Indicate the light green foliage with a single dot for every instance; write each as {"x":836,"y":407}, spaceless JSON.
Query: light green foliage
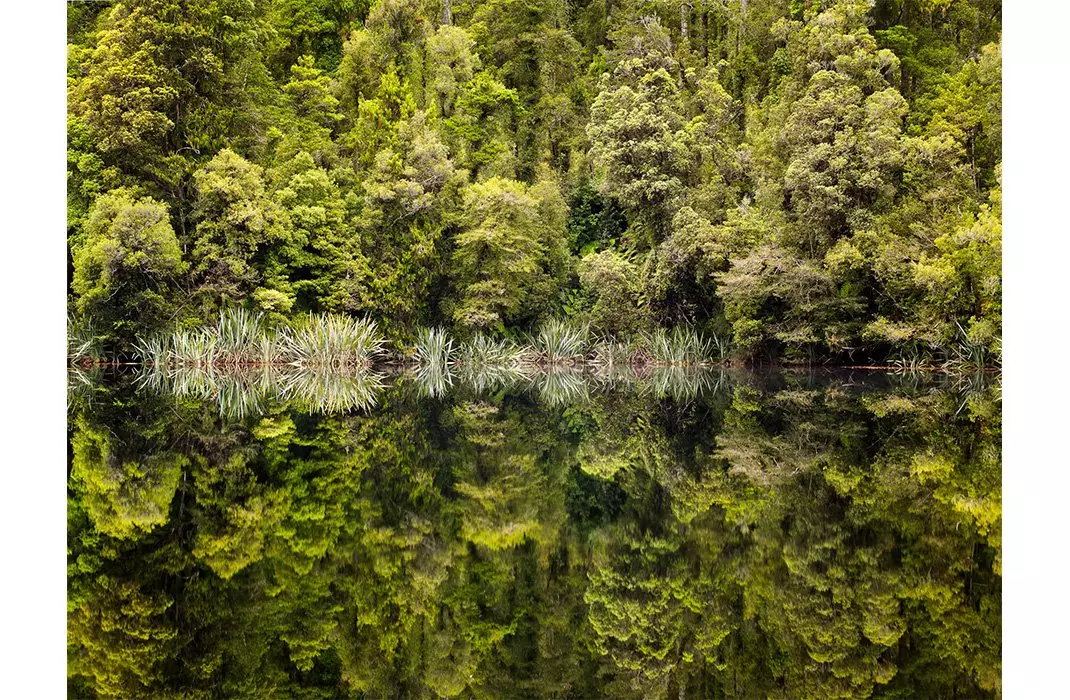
{"x":166,"y":81}
{"x":481,"y":124}
{"x":123,"y":637}
{"x":964,"y":278}
{"x":843,"y":151}
{"x":331,"y":270}
{"x":358,"y":74}
{"x":127,"y":265}
{"x":237,"y":227}
{"x":126,"y":495}
{"x":401,"y":29}
{"x":772,"y":295}
{"x":855,"y":140}
{"x":311,"y":28}
{"x":612,"y":281}
{"x":968,"y":109}
{"x":409,"y":196}
{"x":642,"y":145}
{"x":309,"y":93}
{"x":452,"y":62}
{"x":510,"y":247}
{"x":818,"y":539}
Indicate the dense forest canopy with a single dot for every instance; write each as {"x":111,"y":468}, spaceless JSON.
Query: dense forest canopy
{"x":806,"y":179}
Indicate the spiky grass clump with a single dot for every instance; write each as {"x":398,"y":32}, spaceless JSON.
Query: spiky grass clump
{"x":82,"y":342}
{"x":238,"y":336}
{"x":434,"y":346}
{"x":241,"y":337}
{"x":614,"y":353}
{"x":323,"y":390}
{"x":681,"y":346}
{"x":485,"y":351}
{"x":560,"y":342}
{"x":683,"y":383}
{"x":965,"y":354}
{"x":560,"y":386}
{"x":912,"y":359}
{"x":331,"y":340}
{"x":186,"y":346}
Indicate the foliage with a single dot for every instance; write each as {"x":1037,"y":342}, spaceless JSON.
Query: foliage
{"x":815,"y":536}
{"x":128,"y":265}
{"x":820,"y":182}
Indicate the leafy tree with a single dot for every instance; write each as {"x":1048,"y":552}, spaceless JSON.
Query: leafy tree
{"x":409,"y":200}
{"x":642,"y":141}
{"x":312,"y":28}
{"x":613,"y":282}
{"x":168,"y":81}
{"x":330,"y":271}
{"x":240,"y":232}
{"x":481,"y":123}
{"x":128,"y":264}
{"x":511,"y":237}
{"x":696,"y":139}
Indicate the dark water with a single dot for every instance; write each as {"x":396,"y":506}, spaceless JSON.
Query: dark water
{"x":751,"y":536}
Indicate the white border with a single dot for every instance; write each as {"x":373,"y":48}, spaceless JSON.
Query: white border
{"x":1036,"y":477}
{"x":33,"y":508}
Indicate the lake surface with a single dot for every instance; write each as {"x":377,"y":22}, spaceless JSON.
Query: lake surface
{"x":734,"y":534}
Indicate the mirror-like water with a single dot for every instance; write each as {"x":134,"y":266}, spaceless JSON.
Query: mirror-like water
{"x":784,"y":535}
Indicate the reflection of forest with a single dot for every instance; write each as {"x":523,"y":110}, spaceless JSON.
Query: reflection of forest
{"x":784,"y":537}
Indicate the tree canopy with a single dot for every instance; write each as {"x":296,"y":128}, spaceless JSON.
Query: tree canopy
{"x":808,"y":180}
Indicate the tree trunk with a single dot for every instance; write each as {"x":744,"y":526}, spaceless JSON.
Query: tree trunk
{"x":705,"y":34}
{"x":447,"y":12}
{"x":742,"y":26}
{"x":685,"y":12}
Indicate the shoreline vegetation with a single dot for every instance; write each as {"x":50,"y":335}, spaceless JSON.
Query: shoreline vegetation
{"x":336,"y":342}
{"x":795,"y":182}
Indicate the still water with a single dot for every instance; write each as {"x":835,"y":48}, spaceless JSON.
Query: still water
{"x":738,"y":534}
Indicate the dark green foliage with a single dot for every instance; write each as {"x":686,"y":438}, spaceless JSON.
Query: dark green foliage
{"x":783,"y":535}
{"x":819,"y":178}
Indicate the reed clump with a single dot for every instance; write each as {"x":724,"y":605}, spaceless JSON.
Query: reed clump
{"x":83,"y":344}
{"x":242,"y":338}
{"x":558,"y":342}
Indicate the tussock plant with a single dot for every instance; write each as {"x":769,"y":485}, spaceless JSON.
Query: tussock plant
{"x":326,"y":391}
{"x":241,"y":391}
{"x":613,"y":353}
{"x":912,"y":359}
{"x":559,"y":342}
{"x":561,"y":386}
{"x":433,"y":347}
{"x":681,"y":346}
{"x":80,"y":384}
{"x":965,"y":354}
{"x":683,"y":383}
{"x":238,"y":335}
{"x":332,"y":340}
{"x":485,"y":351}
{"x":82,"y":342}
{"x":434,"y":350}
{"x":241,"y":337}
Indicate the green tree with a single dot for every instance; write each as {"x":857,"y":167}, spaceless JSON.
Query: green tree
{"x":410,"y":197}
{"x":237,"y":244}
{"x":511,"y":238}
{"x":128,"y":265}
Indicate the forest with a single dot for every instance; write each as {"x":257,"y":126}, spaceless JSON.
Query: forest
{"x":802,"y":180}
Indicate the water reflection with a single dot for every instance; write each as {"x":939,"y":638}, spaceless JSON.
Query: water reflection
{"x":561,"y":535}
